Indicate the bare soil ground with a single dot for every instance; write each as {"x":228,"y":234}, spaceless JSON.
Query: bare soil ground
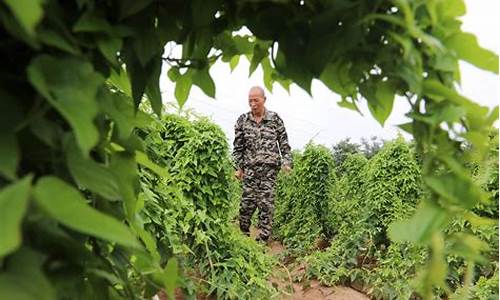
{"x":288,"y":278}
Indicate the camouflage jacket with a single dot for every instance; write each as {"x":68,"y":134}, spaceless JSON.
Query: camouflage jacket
{"x":264,"y":143}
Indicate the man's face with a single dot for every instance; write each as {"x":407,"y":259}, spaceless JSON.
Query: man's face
{"x":256,"y":100}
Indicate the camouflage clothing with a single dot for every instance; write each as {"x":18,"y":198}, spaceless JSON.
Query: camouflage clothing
{"x":259,"y":150}
{"x":258,"y":143}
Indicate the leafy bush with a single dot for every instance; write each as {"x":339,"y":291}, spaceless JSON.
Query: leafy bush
{"x":302,"y":211}
{"x":189,"y":211}
{"x":366,"y":197}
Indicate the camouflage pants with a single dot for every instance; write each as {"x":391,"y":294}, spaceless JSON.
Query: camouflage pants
{"x":258,"y":192}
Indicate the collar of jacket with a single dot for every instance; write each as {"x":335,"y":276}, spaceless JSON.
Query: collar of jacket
{"x":267,"y":115}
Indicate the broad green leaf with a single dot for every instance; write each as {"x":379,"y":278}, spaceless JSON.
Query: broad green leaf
{"x":408,"y":127}
{"x":478,"y":221}
{"x":267,"y":70}
{"x":437,"y":266}
{"x":457,"y":190}
{"x":124,"y":168}
{"x":64,"y":203}
{"x":468,"y":246}
{"x":449,"y":113}
{"x":348,"y":104}
{"x":336,"y":78}
{"x":468,"y":49}
{"x":259,"y":54}
{"x":451,"y":9}
{"x":27,"y":12}
{"x":438,"y":92}
{"x":91,"y":175}
{"x":147,"y":46}
{"x":46,"y":130}
{"x":173,"y":73}
{"x":54,"y":39}
{"x":13,"y":204}
{"x":109,"y":47}
{"x":233,"y":63}
{"x":170,"y":275}
{"x":182,"y":88}
{"x":140,"y":76}
{"x":381,"y":100}
{"x":9,"y":154}
{"x":23,"y":277}
{"x":204,"y":81}
{"x":243,"y":44}
{"x":147,"y":239}
{"x":70,"y":85}
{"x":294,"y":71}
{"x":121,"y":81}
{"x":90,"y":22}
{"x":131,"y":7}
{"x":153,"y":89}
{"x":143,"y":160}
{"x":119,"y":108}
{"x":420,"y":227}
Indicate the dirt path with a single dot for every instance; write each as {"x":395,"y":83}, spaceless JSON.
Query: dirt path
{"x":285,"y":277}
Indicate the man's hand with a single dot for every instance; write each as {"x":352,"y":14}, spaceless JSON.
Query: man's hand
{"x":239,"y":174}
{"x":287,"y":169}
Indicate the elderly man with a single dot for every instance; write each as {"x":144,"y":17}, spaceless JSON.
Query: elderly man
{"x":260,"y":149}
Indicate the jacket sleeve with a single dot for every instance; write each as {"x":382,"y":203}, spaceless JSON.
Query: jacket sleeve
{"x":239,"y":143}
{"x":283,"y":142}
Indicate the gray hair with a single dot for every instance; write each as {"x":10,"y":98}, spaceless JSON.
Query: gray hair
{"x":261,"y":90}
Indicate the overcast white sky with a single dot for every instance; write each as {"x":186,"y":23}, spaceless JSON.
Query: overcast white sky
{"x":319,"y":117}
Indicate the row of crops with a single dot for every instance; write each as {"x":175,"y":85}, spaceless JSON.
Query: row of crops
{"x":350,"y":205}
{"x":333,"y":214}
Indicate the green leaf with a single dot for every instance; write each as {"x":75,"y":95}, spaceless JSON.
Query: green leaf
{"x":65,"y":204}
{"x":204,"y":81}
{"x":336,"y":77}
{"x":56,"y":40}
{"x":170,"y":275}
{"x":13,"y":205}
{"x":124,"y":168}
{"x":131,"y":7}
{"x":478,"y":221}
{"x":469,"y":247}
{"x":143,"y":160}
{"x":140,"y":75}
{"x":451,"y":9}
{"x":27,"y":12}
{"x":70,"y":85}
{"x":90,"y":22}
{"x":243,"y":44}
{"x":120,"y":80}
{"x":457,"y":190}
{"x":467,"y":48}
{"x":420,"y":227}
{"x":119,"y":108}
{"x":349,"y":105}
{"x":408,"y":127}
{"x":147,"y":46}
{"x":173,"y":74}
{"x":380,"y":99}
{"x":91,"y":175}
{"x":109,"y":47}
{"x":233,"y":63}
{"x":259,"y":54}
{"x":23,"y":278}
{"x":182,"y":88}
{"x":153,"y":89}
{"x":268,"y":74}
{"x":9,"y":154}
